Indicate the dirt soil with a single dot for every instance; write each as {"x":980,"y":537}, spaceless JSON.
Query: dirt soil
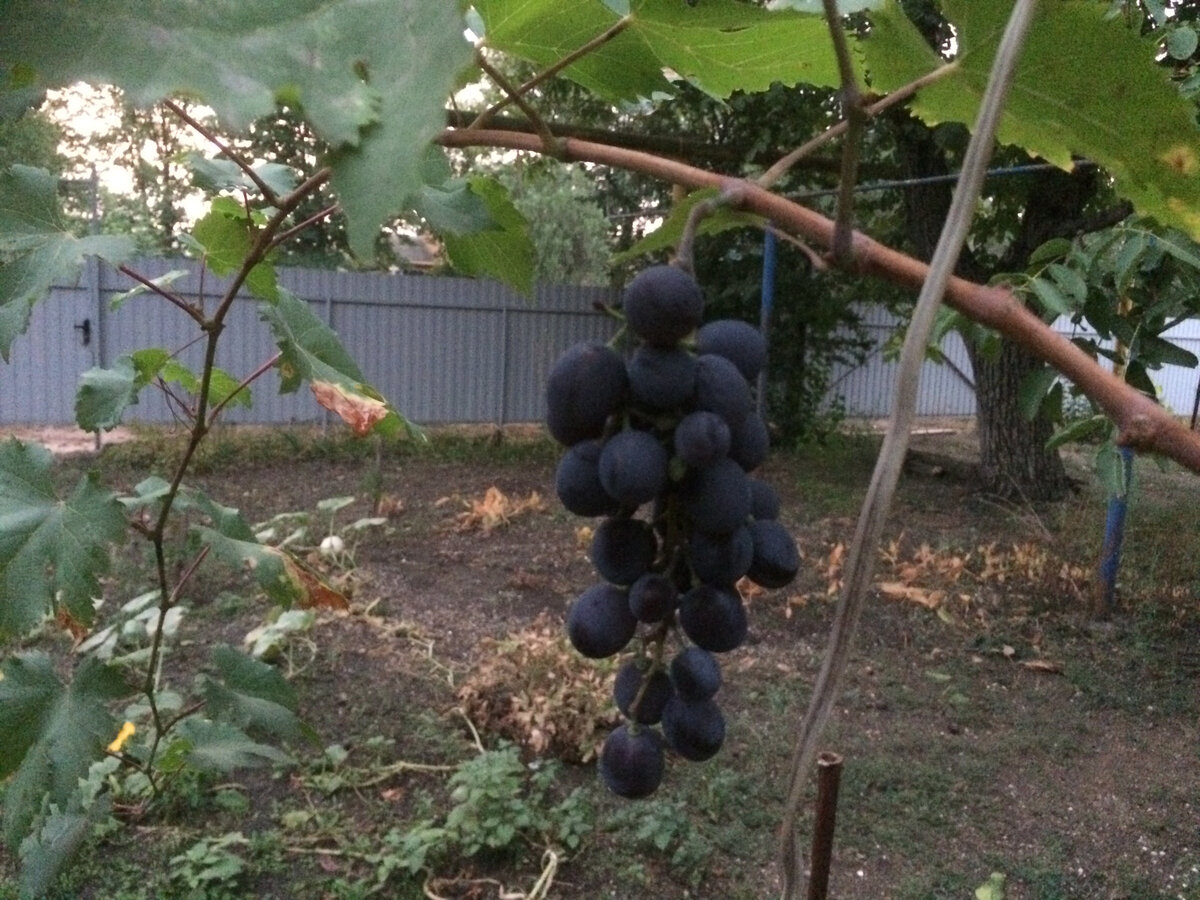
{"x":987,"y":725}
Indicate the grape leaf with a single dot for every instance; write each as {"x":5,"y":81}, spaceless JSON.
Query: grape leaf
{"x":50,"y":733}
{"x":36,"y":250}
{"x":221,"y":174}
{"x":721,"y":46}
{"x":312,"y":352}
{"x":51,"y":551}
{"x":371,"y":75}
{"x":226,"y":235}
{"x":221,"y":747}
{"x":1119,"y":110}
{"x":503,"y":251}
{"x":105,"y":394}
{"x":253,"y":695}
{"x":54,"y":840}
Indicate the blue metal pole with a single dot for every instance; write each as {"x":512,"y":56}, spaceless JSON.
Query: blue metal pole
{"x":1114,"y":537}
{"x":764,"y":309}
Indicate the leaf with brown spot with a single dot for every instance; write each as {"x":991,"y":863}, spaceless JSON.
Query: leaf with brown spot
{"x":359,"y":411}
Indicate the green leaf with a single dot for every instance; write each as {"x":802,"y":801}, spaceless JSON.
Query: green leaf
{"x":51,"y":551}
{"x":50,"y":734}
{"x":1033,"y":390}
{"x":720,"y":46}
{"x":667,"y":235}
{"x":272,"y":568}
{"x":1155,"y":351}
{"x":227,"y":234}
{"x":54,"y":842}
{"x":503,"y":251}
{"x":221,"y":747}
{"x":105,"y":394}
{"x":254,"y":696}
{"x":1055,"y":248}
{"x":1120,"y":110}
{"x":1069,"y":281}
{"x":162,"y":281}
{"x":1051,"y":297}
{"x":1182,"y":42}
{"x":1078,"y":431}
{"x":1110,"y":469}
{"x":225,"y":174}
{"x":36,"y":250}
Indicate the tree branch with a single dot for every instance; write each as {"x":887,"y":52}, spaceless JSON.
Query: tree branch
{"x":236,"y":158}
{"x":1143,"y":423}
{"x":514,"y":96}
{"x":856,"y":119}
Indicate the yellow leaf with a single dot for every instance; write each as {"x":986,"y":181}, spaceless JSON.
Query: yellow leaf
{"x":126,"y":732}
{"x":358,"y":411}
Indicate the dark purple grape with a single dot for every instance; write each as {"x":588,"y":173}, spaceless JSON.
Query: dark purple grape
{"x":662,"y":305}
{"x":716,"y":499}
{"x":720,"y":388}
{"x":653,"y":597}
{"x":764,"y":501}
{"x":750,"y":442}
{"x":713,"y":618}
{"x":701,"y":439}
{"x":696,"y":674}
{"x":627,"y":685}
{"x":633,"y":467}
{"x":599,"y":622}
{"x":721,"y":558}
{"x":740,"y":343}
{"x":695,"y":729}
{"x":776,"y":559}
{"x":585,"y":386}
{"x":631,"y":762}
{"x":577,"y":481}
{"x":623,"y":550}
{"x":661,"y":378}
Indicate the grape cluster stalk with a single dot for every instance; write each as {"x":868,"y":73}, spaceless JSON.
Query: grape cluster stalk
{"x":661,"y":445}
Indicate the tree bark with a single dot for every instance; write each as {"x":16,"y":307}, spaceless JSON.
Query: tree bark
{"x":1013,"y":460}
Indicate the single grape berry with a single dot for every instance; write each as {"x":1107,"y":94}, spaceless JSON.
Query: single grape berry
{"x":653,"y":597}
{"x":720,"y":388}
{"x":696,"y":674}
{"x":776,"y":559}
{"x":695,"y":729}
{"x":764,"y":500}
{"x":623,"y":550}
{"x":631,"y":762}
{"x":577,"y":481}
{"x":713,"y":618}
{"x":662,"y":305}
{"x":739,"y":342}
{"x":657,"y":692}
{"x":721,"y":558}
{"x":750,"y":442}
{"x":701,"y":439}
{"x":661,"y":378}
{"x":585,"y":386}
{"x":599,"y":622}
{"x":633,"y":467}
{"x":716,"y":499}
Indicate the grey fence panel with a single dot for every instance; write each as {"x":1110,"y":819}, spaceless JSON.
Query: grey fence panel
{"x":441,"y":349}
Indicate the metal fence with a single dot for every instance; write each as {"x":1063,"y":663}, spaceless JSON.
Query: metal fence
{"x":443,"y":350}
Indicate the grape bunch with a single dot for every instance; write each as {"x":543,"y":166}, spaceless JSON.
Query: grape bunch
{"x":661,"y":446}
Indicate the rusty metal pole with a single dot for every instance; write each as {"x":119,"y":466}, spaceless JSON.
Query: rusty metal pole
{"x":829,"y":773}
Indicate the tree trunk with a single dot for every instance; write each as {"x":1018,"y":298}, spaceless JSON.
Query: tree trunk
{"x":1013,"y":460}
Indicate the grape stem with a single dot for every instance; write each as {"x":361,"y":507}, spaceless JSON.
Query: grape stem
{"x":731,"y":194}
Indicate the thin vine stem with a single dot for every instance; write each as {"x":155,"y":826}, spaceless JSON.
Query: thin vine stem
{"x":856,"y":119}
{"x":173,"y":298}
{"x":236,"y":158}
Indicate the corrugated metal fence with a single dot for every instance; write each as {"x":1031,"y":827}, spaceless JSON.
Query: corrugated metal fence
{"x":947,"y":389}
{"x":441,"y":349}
